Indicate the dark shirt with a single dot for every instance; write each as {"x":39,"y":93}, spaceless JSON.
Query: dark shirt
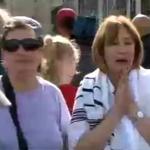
{"x":146,"y":45}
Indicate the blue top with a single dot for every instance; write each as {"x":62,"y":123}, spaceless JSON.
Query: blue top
{"x":43,"y":116}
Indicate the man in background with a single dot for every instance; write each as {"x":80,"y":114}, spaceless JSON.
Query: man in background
{"x":4,"y":17}
{"x":65,"y":19}
{"x":142,"y":23}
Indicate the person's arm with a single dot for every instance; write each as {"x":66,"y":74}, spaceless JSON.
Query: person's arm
{"x":97,"y":138}
{"x":142,"y":124}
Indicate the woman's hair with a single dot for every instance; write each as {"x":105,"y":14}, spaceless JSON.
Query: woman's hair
{"x":56,"y":48}
{"x":13,"y":24}
{"x":107,"y":33}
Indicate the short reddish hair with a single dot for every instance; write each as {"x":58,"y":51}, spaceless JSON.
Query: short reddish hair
{"x":107,"y":33}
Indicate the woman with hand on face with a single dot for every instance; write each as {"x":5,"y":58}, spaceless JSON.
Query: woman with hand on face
{"x":60,"y":65}
{"x":111,"y":109}
{"x":38,"y":116}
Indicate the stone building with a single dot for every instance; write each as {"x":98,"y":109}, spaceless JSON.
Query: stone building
{"x":103,"y":8}
{"x":42,"y":10}
{"x":38,"y":9}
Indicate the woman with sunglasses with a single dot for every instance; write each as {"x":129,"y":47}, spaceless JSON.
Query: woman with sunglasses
{"x":38,"y":116}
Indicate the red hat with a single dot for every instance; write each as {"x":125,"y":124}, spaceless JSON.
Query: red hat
{"x":65,"y":13}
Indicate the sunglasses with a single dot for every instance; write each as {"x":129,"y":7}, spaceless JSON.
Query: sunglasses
{"x":28,"y":44}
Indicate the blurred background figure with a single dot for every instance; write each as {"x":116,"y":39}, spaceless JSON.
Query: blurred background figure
{"x":142,"y":23}
{"x":4,"y":17}
{"x":62,"y":58}
{"x":65,"y":19}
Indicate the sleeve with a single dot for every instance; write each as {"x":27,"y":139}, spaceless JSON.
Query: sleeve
{"x":79,"y":124}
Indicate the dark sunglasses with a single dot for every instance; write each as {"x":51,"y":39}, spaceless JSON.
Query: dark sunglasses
{"x":28,"y":44}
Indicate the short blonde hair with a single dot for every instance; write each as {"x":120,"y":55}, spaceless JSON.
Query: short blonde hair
{"x":56,"y":48}
{"x":107,"y":33}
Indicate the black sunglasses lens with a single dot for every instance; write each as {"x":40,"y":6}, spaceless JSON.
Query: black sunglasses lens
{"x":10,"y":45}
{"x":31,"y":44}
{"x":28,"y":44}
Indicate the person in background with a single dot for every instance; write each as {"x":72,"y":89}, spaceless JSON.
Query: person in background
{"x":4,"y":16}
{"x":142,"y":23}
{"x":62,"y":58}
{"x":65,"y":19}
{"x":38,"y":109}
{"x":111,"y":109}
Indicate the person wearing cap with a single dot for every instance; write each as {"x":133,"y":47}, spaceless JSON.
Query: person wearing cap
{"x":65,"y":19}
{"x":38,"y":116}
{"x":142,"y":23}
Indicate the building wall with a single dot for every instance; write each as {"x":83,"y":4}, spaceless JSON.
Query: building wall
{"x":38,"y":9}
{"x":83,"y":7}
{"x":71,"y":4}
{"x":41,"y":9}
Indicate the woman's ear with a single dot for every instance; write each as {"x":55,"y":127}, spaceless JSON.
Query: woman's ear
{"x":48,"y":39}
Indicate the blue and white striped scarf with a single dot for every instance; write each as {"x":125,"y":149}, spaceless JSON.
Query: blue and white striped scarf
{"x":96,"y":102}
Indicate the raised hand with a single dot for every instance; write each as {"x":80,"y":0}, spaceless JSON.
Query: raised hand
{"x":123,"y":95}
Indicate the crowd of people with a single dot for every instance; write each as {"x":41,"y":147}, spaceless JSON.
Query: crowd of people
{"x":41,"y":108}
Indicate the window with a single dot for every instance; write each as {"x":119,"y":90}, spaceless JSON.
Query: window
{"x":145,"y":7}
{"x":88,"y":7}
{"x":114,"y":7}
{"x":132,"y":9}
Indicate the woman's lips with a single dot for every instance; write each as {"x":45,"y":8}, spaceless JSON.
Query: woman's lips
{"x":122,"y":60}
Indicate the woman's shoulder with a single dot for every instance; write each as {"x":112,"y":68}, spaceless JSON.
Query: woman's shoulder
{"x":90,"y":77}
{"x":144,"y":81}
{"x":48,"y":85}
{"x":144,"y":90}
{"x":144,"y":74}
{"x":92,"y":74}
